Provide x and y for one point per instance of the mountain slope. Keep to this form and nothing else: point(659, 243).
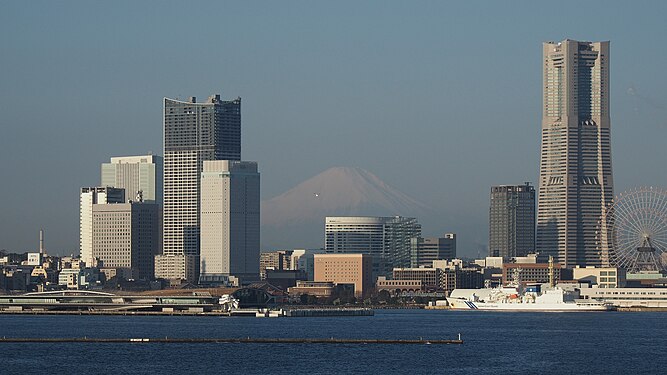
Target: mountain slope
point(338, 191)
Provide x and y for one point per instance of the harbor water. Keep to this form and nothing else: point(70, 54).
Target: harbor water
point(581, 343)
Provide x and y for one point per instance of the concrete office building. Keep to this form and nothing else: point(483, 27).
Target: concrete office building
point(354, 269)
point(134, 174)
point(388, 239)
point(304, 260)
point(426, 250)
point(442, 276)
point(275, 260)
point(628, 297)
point(89, 197)
point(607, 277)
point(512, 220)
point(229, 221)
point(531, 273)
point(428, 277)
point(126, 238)
point(575, 165)
point(193, 132)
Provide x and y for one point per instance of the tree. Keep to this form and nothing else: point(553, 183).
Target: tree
point(384, 296)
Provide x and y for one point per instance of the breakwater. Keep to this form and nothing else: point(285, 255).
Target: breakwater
point(249, 340)
point(327, 312)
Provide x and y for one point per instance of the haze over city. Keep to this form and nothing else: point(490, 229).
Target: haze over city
point(439, 101)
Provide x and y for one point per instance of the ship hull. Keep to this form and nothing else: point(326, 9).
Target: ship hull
point(461, 304)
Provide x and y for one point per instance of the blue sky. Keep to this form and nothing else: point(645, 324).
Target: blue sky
point(441, 100)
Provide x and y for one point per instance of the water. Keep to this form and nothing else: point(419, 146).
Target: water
point(582, 343)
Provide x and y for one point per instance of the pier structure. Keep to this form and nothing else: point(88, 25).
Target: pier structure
point(85, 300)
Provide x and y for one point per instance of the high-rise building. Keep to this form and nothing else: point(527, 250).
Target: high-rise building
point(89, 197)
point(512, 221)
point(125, 238)
point(426, 250)
point(575, 166)
point(135, 174)
point(229, 221)
point(387, 239)
point(193, 132)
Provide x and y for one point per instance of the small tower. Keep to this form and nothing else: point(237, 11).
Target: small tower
point(552, 282)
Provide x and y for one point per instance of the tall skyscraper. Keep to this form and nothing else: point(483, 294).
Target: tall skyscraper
point(575, 166)
point(135, 173)
point(229, 221)
point(193, 132)
point(512, 221)
point(388, 239)
point(89, 197)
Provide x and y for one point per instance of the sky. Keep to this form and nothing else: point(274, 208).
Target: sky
point(439, 99)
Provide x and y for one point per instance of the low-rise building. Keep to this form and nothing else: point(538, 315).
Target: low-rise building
point(284, 279)
point(429, 278)
point(644, 279)
point(531, 272)
point(490, 262)
point(398, 286)
point(600, 277)
point(354, 269)
point(320, 289)
point(304, 260)
point(628, 297)
point(460, 278)
point(17, 278)
point(79, 278)
point(274, 260)
point(444, 276)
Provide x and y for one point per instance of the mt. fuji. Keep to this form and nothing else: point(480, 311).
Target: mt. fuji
point(296, 217)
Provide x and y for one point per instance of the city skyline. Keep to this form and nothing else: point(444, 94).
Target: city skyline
point(306, 99)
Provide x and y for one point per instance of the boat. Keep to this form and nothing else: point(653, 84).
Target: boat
point(519, 297)
point(531, 298)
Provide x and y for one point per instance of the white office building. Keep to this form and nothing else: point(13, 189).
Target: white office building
point(89, 197)
point(388, 239)
point(229, 221)
point(135, 174)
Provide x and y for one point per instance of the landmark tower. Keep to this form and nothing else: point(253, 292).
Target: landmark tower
point(575, 165)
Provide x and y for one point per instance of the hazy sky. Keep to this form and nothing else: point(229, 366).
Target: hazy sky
point(439, 99)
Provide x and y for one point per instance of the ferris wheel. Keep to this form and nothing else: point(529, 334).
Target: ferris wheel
point(637, 230)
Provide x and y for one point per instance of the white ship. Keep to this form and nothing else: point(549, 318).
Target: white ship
point(514, 297)
point(510, 298)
